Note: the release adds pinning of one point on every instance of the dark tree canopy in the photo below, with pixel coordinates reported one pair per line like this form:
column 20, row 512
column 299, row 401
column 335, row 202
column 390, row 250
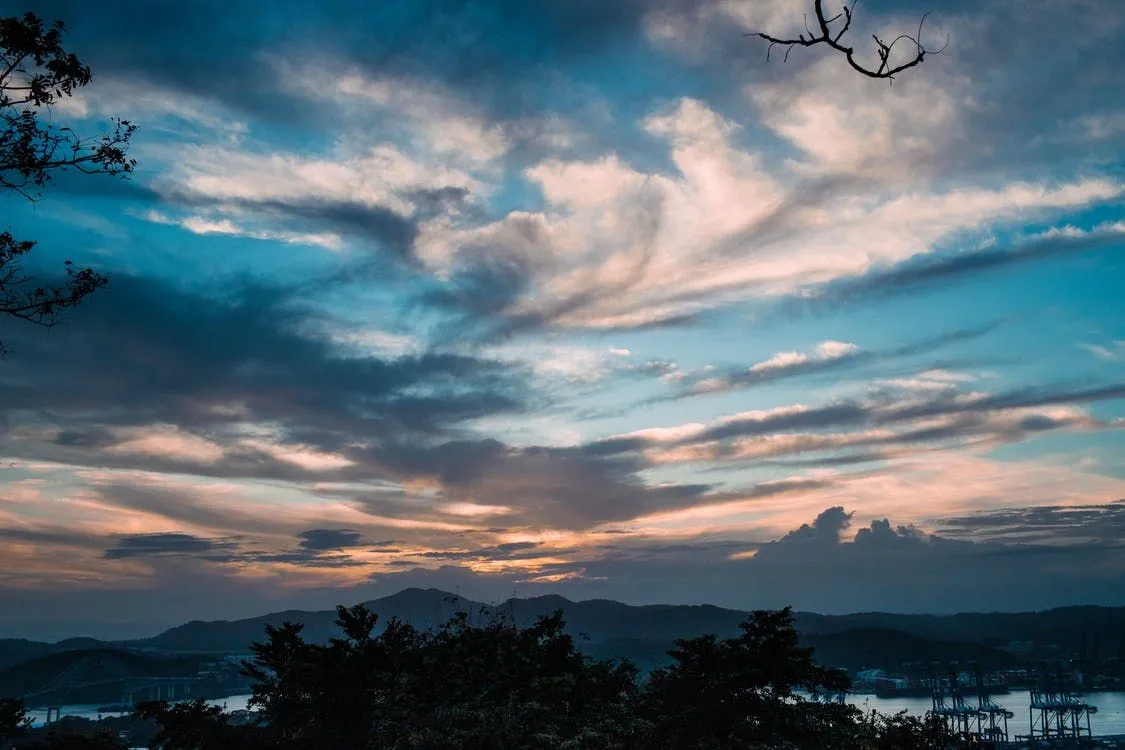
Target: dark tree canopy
column 497, row 686
column 493, row 686
column 742, row 692
column 463, row 686
column 13, row 720
column 36, row 71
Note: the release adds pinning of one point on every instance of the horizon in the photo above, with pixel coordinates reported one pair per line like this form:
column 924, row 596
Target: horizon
column 589, row 299
column 464, row 600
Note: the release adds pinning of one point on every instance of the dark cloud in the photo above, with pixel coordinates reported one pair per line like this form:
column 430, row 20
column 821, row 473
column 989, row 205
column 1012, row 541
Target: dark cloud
column 318, row 549
column 303, row 558
column 542, row 485
column 825, row 529
column 505, row 52
column 321, row 540
column 1043, row 524
column 145, row 352
column 509, row 551
column 886, row 412
column 1062, row 87
column 52, row 536
column 373, row 225
column 150, row 545
column 482, row 290
column 1019, row 399
column 817, row 568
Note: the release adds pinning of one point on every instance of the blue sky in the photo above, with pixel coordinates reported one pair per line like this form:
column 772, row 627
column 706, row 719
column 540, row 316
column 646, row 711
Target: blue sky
column 584, row 298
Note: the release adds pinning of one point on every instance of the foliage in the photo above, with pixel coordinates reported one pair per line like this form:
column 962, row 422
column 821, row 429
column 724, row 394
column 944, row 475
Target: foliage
column 36, row 71
column 501, row 686
column 742, row 692
column 15, row 732
column 14, row 721
column 63, row 740
column 194, row 725
column 495, row 686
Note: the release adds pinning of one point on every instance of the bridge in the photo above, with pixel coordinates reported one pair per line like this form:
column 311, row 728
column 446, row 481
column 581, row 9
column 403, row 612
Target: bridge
column 106, row 670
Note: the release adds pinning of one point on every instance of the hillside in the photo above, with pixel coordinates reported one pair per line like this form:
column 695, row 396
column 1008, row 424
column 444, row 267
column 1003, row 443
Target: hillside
column 644, row 634
column 16, row 650
column 601, row 621
column 108, row 667
column 868, row 648
column 598, row 620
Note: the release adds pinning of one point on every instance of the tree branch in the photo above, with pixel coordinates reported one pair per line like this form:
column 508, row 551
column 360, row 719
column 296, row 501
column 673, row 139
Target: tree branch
column 832, row 37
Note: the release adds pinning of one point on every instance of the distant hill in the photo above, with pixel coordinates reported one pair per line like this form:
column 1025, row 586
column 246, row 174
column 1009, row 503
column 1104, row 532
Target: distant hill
column 106, row 667
column 644, row 634
column 15, row 650
column 1063, row 625
column 602, row 620
column 597, row 620
column 878, row 648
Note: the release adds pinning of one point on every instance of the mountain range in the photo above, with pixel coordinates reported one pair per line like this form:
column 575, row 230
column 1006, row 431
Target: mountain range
column 644, row 634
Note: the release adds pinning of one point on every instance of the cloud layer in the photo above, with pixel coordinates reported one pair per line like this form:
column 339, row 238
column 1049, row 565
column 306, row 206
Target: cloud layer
column 588, row 297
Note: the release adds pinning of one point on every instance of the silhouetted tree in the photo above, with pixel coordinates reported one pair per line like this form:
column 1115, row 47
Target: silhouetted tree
column 493, row 686
column 748, row 691
column 55, row 739
column 14, row 721
column 36, row 71
column 194, row 725
column 901, row 731
column 830, row 32
column 16, row 732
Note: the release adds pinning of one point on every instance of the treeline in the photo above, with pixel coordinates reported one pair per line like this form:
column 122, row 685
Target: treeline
column 502, row 687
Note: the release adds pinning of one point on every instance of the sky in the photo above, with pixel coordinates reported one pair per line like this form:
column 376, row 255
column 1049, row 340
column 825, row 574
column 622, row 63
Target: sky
column 520, row 297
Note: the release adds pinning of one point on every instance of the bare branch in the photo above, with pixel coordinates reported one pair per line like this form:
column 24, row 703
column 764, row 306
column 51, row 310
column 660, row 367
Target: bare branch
column 832, row 31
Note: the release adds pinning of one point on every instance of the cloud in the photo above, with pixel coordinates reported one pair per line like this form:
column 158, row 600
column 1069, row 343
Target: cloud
column 840, row 124
column 201, row 362
column 1044, row 524
column 1110, row 353
column 202, row 225
column 148, row 545
column 509, row 550
column 827, row 528
column 721, row 229
column 320, row 540
column 892, row 423
column 165, row 440
column 559, row 487
column 319, row 548
column 827, row 357
column 903, row 278
column 710, row 216
column 440, row 121
column 362, row 282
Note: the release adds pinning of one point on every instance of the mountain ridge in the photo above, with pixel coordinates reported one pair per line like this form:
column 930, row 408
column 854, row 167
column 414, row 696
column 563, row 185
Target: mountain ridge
column 603, row 621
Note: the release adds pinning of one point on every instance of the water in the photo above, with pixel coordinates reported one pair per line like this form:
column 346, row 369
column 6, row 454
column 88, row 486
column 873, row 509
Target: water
column 232, row 703
column 1110, row 718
